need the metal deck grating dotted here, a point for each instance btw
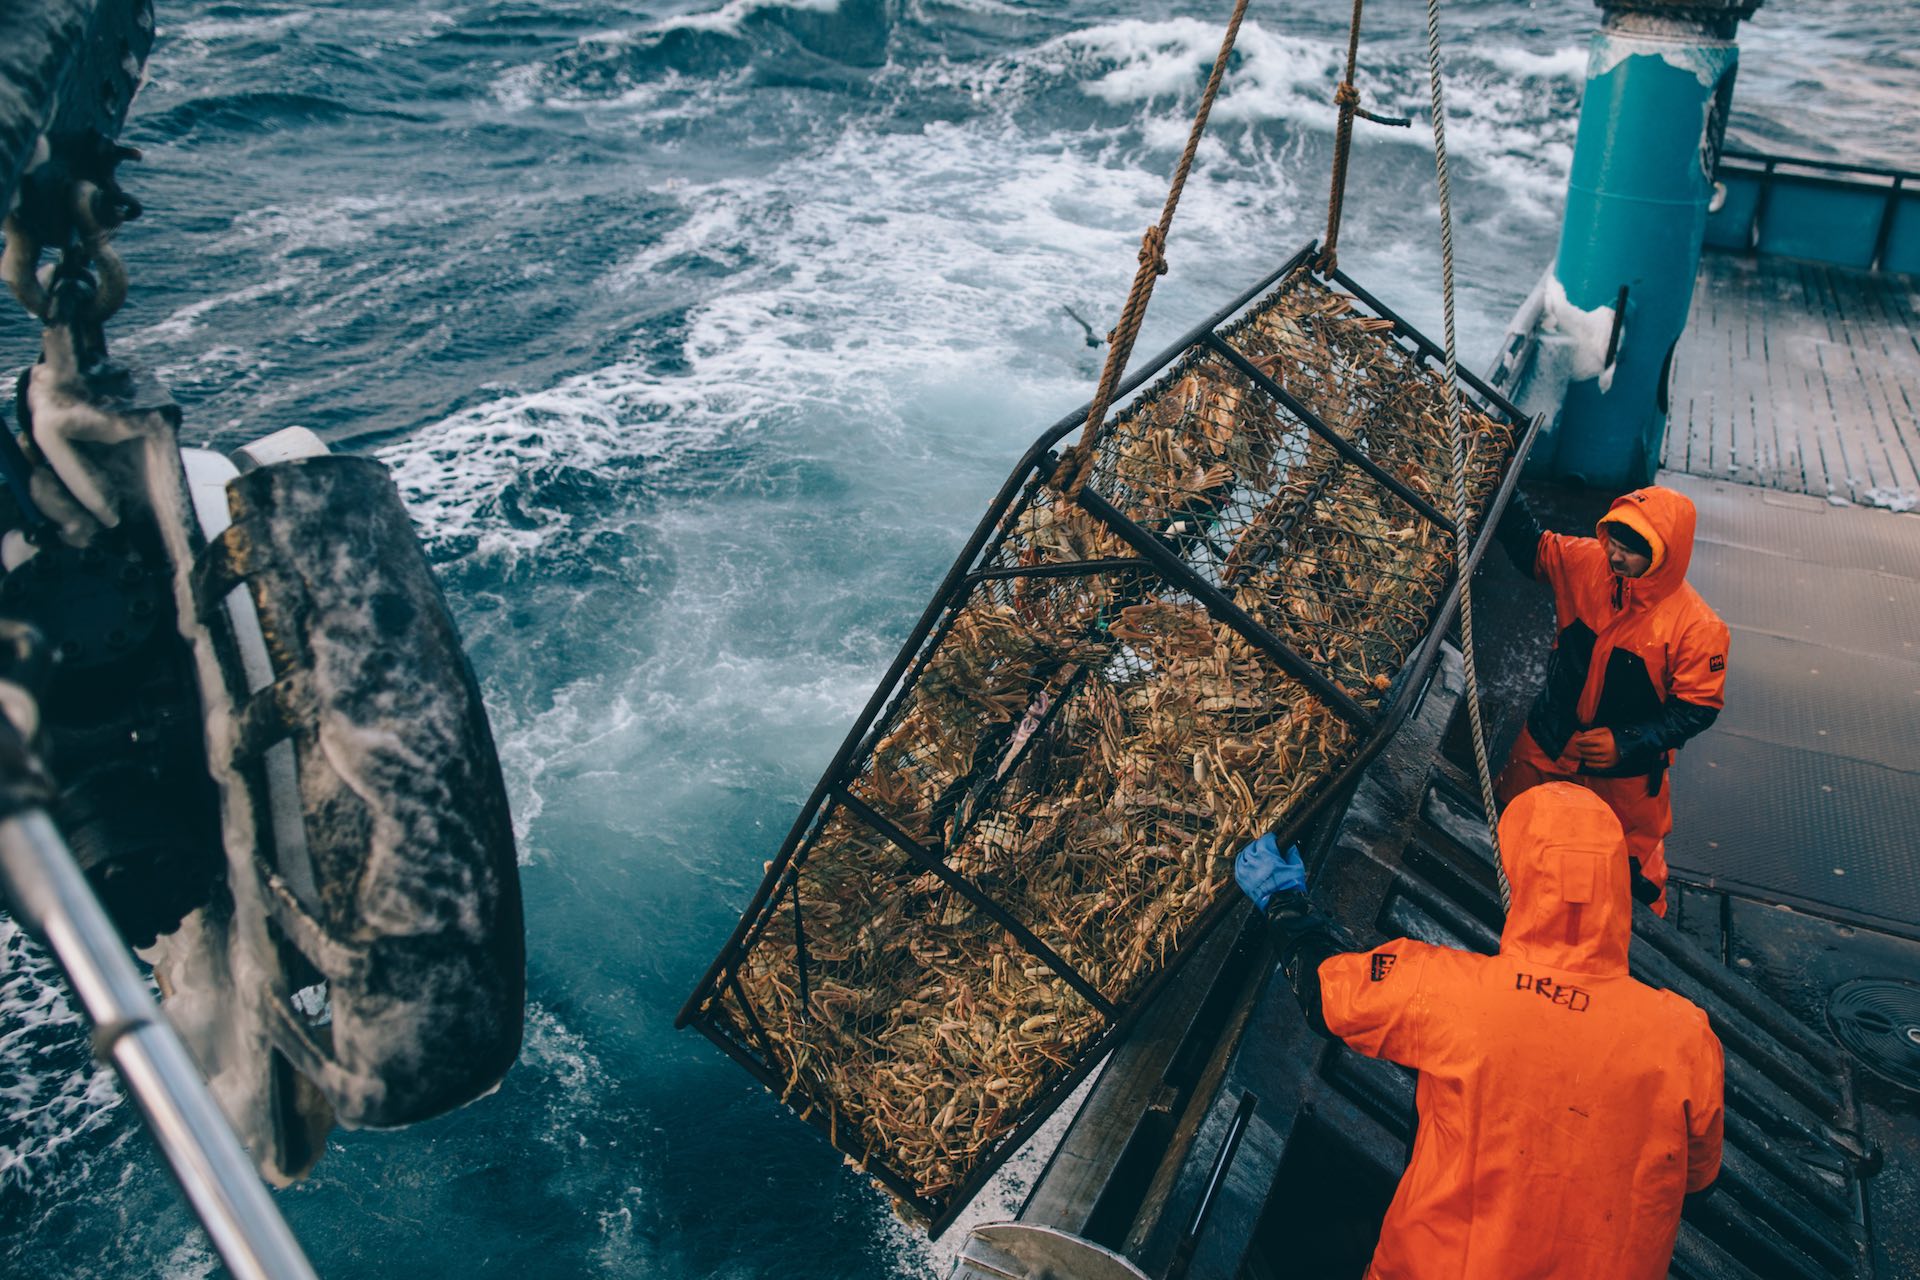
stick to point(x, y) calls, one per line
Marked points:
point(1800, 377)
point(1807, 788)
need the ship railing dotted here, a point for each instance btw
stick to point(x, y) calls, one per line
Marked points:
point(1849, 215)
point(49, 893)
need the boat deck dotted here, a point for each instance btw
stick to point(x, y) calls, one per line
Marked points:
point(1796, 410)
point(1807, 788)
point(1800, 377)
point(1224, 1141)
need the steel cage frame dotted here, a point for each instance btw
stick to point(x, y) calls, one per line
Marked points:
point(971, 567)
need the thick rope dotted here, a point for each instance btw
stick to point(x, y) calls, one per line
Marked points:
point(1462, 512)
point(1075, 466)
point(1347, 98)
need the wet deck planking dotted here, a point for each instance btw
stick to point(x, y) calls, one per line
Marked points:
point(1801, 377)
point(1807, 787)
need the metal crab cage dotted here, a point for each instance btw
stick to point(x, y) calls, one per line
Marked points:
point(1033, 818)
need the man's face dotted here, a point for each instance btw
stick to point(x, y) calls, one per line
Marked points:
point(1628, 564)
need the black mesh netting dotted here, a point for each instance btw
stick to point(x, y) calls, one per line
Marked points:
point(1042, 812)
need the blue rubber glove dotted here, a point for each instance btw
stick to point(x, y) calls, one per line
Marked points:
point(1262, 871)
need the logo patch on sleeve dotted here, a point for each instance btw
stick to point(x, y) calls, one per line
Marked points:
point(1381, 966)
point(1718, 662)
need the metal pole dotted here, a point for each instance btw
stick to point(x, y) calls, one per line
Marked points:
point(50, 895)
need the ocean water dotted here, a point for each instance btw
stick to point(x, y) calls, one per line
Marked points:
point(697, 338)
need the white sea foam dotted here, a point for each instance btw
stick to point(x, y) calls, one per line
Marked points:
point(184, 320)
point(1568, 63)
point(190, 1259)
point(728, 17)
point(972, 6)
point(872, 274)
point(665, 95)
point(210, 31)
point(451, 473)
point(52, 1092)
point(625, 1248)
point(573, 1081)
point(1158, 61)
point(902, 285)
point(582, 716)
point(664, 98)
point(692, 702)
point(1511, 111)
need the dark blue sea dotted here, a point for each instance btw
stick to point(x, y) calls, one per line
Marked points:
point(697, 338)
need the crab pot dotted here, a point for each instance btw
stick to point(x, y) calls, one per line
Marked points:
point(1035, 817)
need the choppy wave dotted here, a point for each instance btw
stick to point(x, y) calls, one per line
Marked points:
point(695, 340)
point(241, 113)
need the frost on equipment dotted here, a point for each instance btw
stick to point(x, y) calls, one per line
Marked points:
point(1034, 817)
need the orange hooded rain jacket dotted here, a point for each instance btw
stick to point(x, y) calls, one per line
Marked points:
point(1565, 1108)
point(1645, 657)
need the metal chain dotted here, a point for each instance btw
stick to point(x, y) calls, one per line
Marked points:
point(1462, 512)
point(1074, 468)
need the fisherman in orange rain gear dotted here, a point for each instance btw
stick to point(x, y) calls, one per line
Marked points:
point(1638, 666)
point(1565, 1108)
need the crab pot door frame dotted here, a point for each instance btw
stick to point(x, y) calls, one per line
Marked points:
point(1032, 821)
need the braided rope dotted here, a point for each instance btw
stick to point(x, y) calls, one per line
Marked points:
point(1077, 463)
point(1462, 512)
point(1347, 98)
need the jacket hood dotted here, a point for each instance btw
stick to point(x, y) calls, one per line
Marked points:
point(1665, 519)
point(1566, 859)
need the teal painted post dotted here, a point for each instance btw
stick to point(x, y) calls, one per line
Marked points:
point(1659, 84)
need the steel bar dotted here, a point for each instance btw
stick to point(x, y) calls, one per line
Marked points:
point(50, 895)
point(929, 861)
point(800, 948)
point(1613, 336)
point(1229, 1146)
point(1803, 1178)
point(1888, 213)
point(1064, 569)
point(1314, 423)
point(763, 919)
point(752, 1020)
point(1310, 809)
point(1432, 348)
point(1831, 166)
point(813, 1115)
point(1756, 228)
point(1222, 607)
point(1089, 1059)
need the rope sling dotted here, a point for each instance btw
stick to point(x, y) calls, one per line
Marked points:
point(1077, 461)
point(1462, 508)
point(1076, 464)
